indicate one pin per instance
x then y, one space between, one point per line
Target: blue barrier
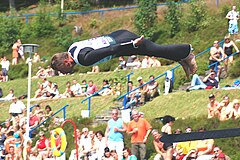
222 60
64 117
102 11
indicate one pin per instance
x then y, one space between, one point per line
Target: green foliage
9 31
82 5
18 71
197 16
63 36
234 71
172 18
145 17
93 23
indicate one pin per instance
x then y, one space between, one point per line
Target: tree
172 18
145 17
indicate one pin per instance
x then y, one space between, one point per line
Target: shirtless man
158 145
216 55
212 107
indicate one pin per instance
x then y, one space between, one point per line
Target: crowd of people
134 62
223 110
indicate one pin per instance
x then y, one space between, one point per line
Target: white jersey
94 43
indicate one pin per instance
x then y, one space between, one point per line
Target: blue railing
64 117
94 94
216 63
101 11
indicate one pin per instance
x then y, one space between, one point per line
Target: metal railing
64 117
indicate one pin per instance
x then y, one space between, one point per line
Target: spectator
106 89
33 120
9 96
226 108
156 63
18 139
15 49
153 87
114 154
233 17
236 111
95 69
147 62
48 111
183 149
213 107
219 155
49 72
91 89
16 108
167 129
101 145
204 147
42 146
127 155
84 141
228 46
11 154
84 86
76 89
122 64
68 91
145 96
131 98
130 61
139 129
5 67
158 145
21 53
216 56
40 73
107 154
36 58
192 154
208 82
114 133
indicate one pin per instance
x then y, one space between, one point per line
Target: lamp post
29 48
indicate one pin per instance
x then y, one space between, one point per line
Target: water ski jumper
121 43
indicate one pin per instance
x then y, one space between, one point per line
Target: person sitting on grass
208 82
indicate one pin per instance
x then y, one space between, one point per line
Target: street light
31 49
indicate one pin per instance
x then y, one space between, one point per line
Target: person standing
15 49
233 17
5 67
139 129
114 133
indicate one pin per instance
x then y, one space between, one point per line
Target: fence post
64 113
89 106
26 20
173 77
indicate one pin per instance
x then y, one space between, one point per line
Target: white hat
139 78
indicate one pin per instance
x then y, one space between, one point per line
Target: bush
145 17
18 71
198 16
234 71
9 31
172 18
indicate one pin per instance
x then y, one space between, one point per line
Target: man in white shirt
77 89
233 17
17 108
